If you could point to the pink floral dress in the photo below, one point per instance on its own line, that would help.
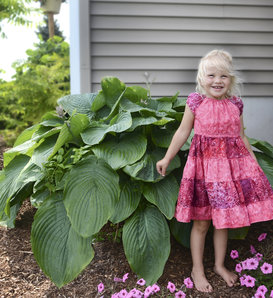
(221, 180)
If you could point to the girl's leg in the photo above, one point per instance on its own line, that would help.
(220, 246)
(198, 236)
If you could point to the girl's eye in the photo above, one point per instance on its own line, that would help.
(211, 76)
(224, 76)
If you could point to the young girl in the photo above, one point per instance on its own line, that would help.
(222, 180)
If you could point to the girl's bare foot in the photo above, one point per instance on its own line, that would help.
(200, 281)
(229, 277)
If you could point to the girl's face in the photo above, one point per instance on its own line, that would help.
(216, 83)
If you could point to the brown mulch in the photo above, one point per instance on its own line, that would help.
(20, 276)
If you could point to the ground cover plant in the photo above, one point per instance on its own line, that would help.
(93, 161)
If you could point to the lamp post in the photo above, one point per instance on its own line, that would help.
(51, 7)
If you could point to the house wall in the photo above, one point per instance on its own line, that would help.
(166, 39)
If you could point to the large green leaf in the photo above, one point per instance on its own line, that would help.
(123, 150)
(81, 103)
(41, 154)
(136, 94)
(26, 135)
(163, 121)
(25, 148)
(129, 198)
(18, 173)
(163, 194)
(264, 146)
(266, 164)
(120, 122)
(91, 190)
(58, 249)
(162, 137)
(112, 88)
(96, 132)
(146, 242)
(145, 168)
(115, 108)
(39, 197)
(99, 102)
(9, 221)
(18, 197)
(52, 120)
(132, 107)
(141, 121)
(44, 132)
(142, 108)
(38, 135)
(181, 231)
(171, 99)
(180, 104)
(71, 130)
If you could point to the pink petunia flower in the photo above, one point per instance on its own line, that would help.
(253, 250)
(100, 287)
(155, 288)
(148, 291)
(134, 293)
(258, 256)
(252, 263)
(122, 293)
(238, 268)
(262, 236)
(266, 268)
(188, 283)
(117, 279)
(141, 282)
(115, 295)
(249, 281)
(259, 295)
(180, 294)
(244, 264)
(171, 287)
(271, 294)
(138, 295)
(243, 280)
(262, 289)
(234, 254)
(125, 277)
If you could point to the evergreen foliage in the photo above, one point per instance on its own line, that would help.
(39, 80)
(43, 31)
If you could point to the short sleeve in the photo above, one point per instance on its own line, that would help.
(194, 100)
(238, 102)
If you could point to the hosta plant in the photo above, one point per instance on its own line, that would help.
(93, 161)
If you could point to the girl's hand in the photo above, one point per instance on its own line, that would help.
(162, 166)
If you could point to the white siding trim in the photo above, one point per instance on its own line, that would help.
(80, 64)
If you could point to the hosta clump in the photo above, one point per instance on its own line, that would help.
(94, 162)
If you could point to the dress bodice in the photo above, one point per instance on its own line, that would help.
(216, 118)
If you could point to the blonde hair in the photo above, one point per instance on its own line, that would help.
(222, 60)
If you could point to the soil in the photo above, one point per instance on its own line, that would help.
(20, 276)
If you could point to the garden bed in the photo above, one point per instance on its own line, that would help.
(20, 276)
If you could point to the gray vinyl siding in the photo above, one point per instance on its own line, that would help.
(167, 39)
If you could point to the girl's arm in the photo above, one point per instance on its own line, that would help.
(179, 139)
(243, 136)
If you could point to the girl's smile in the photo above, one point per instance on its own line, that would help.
(216, 83)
